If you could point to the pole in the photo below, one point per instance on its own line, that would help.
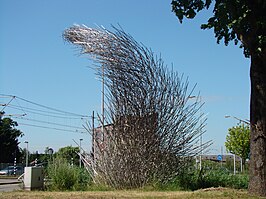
(200, 163)
(240, 120)
(103, 102)
(200, 139)
(200, 158)
(80, 152)
(234, 164)
(50, 152)
(93, 136)
(27, 152)
(15, 166)
(222, 156)
(241, 165)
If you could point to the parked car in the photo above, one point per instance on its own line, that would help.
(10, 170)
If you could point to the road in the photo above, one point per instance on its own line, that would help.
(9, 185)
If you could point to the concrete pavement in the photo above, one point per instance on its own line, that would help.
(7, 184)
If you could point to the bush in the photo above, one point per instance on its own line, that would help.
(211, 175)
(216, 178)
(84, 179)
(65, 177)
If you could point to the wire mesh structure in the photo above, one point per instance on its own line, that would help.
(154, 124)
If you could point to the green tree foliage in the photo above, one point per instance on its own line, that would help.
(68, 153)
(42, 158)
(244, 21)
(232, 21)
(9, 140)
(238, 141)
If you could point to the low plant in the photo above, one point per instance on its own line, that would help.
(66, 177)
(211, 175)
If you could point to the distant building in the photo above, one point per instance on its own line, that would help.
(99, 138)
(132, 124)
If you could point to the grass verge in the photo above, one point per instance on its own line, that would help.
(220, 193)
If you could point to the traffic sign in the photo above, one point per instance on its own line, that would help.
(219, 157)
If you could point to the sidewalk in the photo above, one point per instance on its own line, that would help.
(10, 184)
(4, 181)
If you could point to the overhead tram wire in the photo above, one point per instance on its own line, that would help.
(20, 106)
(51, 123)
(43, 112)
(35, 111)
(7, 104)
(58, 129)
(50, 108)
(57, 111)
(6, 96)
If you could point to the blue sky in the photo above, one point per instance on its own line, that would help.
(37, 65)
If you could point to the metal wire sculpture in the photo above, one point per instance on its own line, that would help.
(153, 127)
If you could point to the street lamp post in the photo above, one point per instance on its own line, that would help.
(240, 120)
(245, 122)
(50, 152)
(80, 151)
(27, 152)
(200, 135)
(200, 139)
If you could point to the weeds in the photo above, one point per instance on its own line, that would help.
(210, 175)
(66, 177)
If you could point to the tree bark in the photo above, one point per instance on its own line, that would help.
(257, 168)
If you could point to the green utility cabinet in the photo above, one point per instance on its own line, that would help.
(33, 178)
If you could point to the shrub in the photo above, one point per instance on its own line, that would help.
(65, 177)
(84, 179)
(210, 175)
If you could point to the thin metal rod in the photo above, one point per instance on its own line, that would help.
(103, 103)
(80, 156)
(93, 136)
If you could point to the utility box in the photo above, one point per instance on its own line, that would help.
(33, 178)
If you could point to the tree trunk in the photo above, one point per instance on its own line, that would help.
(257, 168)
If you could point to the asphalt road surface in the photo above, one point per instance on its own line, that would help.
(9, 185)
